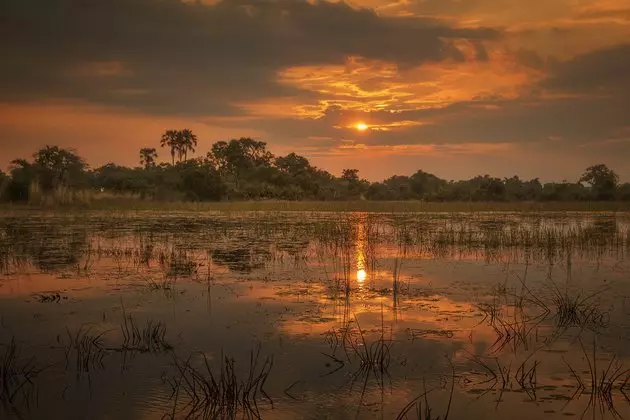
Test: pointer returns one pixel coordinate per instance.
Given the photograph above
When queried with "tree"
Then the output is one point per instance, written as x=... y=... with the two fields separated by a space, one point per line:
x=239 y=159
x=171 y=139
x=4 y=183
x=22 y=176
x=602 y=180
x=58 y=167
x=187 y=142
x=293 y=164
x=355 y=187
x=148 y=157
x=350 y=175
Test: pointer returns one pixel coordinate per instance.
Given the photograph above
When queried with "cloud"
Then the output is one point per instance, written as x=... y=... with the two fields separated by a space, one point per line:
x=605 y=70
x=171 y=57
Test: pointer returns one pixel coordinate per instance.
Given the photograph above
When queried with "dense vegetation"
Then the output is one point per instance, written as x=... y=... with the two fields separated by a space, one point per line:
x=244 y=169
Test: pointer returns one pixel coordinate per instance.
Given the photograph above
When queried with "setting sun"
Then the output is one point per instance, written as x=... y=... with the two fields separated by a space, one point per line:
x=361 y=126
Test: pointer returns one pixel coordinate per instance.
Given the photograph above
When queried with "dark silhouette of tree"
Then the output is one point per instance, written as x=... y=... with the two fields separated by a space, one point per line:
x=171 y=139
x=602 y=180
x=293 y=164
x=148 y=157
x=239 y=159
x=350 y=175
x=4 y=184
x=58 y=167
x=244 y=169
x=187 y=143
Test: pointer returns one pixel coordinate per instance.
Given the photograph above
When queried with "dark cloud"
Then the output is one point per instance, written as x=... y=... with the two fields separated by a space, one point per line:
x=605 y=70
x=171 y=57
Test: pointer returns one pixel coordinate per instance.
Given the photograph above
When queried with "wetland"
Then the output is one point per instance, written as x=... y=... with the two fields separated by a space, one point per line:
x=314 y=315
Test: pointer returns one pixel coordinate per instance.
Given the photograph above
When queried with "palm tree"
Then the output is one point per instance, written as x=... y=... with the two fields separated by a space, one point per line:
x=148 y=157
x=171 y=139
x=188 y=142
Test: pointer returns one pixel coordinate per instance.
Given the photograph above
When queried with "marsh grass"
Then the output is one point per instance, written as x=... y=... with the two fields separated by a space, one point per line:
x=83 y=346
x=574 y=309
x=373 y=357
x=150 y=338
x=220 y=393
x=500 y=376
x=601 y=386
x=17 y=377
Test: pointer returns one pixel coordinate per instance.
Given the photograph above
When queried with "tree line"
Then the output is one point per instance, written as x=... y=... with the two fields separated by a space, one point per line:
x=243 y=169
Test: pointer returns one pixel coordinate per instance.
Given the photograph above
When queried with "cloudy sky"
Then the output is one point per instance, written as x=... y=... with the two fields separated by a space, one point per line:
x=454 y=87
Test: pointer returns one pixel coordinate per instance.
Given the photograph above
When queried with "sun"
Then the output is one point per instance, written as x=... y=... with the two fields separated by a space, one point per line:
x=361 y=126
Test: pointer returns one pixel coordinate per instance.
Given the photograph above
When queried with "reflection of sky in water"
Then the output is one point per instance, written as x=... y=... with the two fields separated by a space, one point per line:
x=233 y=282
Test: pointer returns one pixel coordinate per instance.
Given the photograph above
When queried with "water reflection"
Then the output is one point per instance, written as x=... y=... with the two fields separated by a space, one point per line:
x=361 y=276
x=503 y=321
x=360 y=250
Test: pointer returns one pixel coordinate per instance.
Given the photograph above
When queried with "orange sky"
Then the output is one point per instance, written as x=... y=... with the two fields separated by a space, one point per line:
x=453 y=87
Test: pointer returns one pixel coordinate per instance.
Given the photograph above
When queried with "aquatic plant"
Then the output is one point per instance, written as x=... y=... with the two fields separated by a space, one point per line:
x=85 y=347
x=147 y=339
x=220 y=393
x=17 y=376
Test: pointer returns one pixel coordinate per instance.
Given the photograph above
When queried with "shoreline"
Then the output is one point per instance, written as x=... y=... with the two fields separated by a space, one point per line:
x=362 y=206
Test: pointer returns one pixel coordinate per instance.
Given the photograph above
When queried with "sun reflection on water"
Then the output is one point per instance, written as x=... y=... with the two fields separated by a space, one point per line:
x=360 y=253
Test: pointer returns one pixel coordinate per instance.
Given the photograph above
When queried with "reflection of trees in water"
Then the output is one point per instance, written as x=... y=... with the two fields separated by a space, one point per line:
x=604 y=227
x=242 y=260
x=48 y=246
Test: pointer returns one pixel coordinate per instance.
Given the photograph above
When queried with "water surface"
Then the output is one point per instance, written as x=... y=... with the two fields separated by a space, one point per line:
x=484 y=315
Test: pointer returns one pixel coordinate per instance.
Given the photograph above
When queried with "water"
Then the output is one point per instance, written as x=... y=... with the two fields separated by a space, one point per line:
x=356 y=315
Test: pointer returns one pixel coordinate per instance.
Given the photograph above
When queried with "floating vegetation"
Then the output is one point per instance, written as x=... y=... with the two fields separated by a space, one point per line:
x=50 y=297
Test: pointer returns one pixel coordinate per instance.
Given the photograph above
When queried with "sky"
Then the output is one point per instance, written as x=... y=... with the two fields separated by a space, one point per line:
x=534 y=88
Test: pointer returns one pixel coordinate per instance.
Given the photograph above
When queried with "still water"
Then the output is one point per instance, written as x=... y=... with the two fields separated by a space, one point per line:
x=150 y=315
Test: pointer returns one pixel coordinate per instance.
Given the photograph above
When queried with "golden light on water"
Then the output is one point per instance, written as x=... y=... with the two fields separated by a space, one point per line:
x=360 y=253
